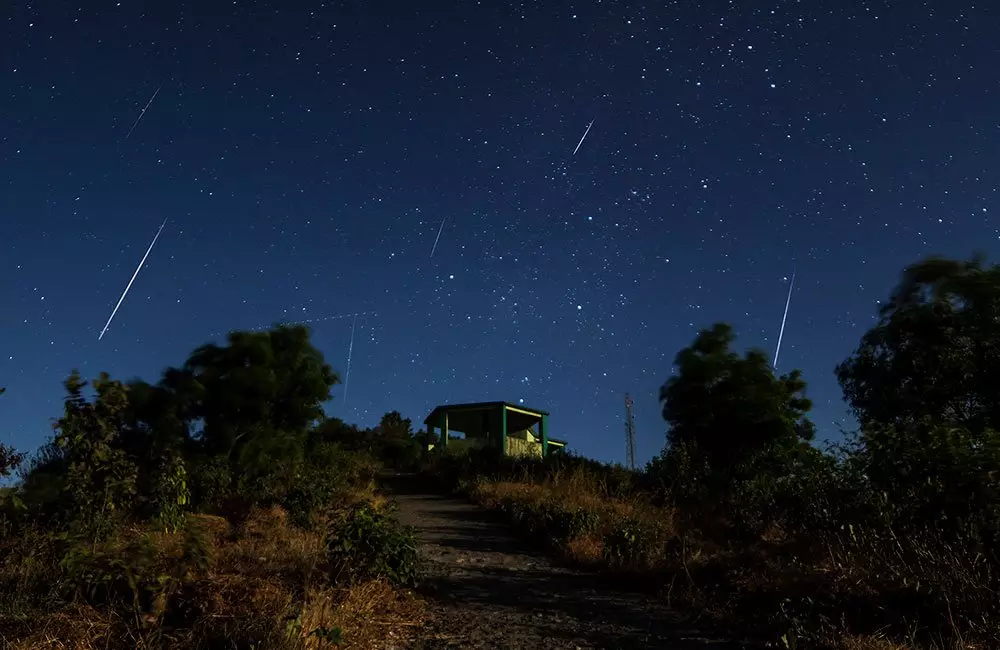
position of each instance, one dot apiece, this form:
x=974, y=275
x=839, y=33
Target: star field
x=305, y=154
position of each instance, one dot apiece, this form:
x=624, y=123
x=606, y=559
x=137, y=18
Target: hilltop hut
x=513, y=429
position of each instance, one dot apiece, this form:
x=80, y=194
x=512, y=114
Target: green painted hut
x=513, y=428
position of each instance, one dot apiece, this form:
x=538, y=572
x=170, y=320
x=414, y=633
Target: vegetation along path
x=487, y=589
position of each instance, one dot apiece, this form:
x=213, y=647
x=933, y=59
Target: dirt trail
x=487, y=589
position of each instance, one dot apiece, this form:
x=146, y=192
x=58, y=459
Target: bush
x=366, y=542
x=633, y=544
x=563, y=524
x=330, y=470
x=170, y=492
x=211, y=483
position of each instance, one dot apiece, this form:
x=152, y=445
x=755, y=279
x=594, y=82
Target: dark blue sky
x=305, y=155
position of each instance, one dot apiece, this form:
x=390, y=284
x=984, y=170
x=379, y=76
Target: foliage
x=935, y=352
x=394, y=441
x=633, y=543
x=10, y=460
x=366, y=542
x=728, y=408
x=936, y=473
x=259, y=393
x=330, y=470
x=171, y=493
x=211, y=483
x=100, y=477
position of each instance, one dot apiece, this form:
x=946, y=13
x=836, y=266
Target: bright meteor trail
x=781, y=332
x=137, y=269
x=584, y=137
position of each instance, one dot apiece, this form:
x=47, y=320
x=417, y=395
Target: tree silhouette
x=935, y=352
x=731, y=408
x=256, y=395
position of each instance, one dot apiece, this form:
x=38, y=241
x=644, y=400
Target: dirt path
x=487, y=589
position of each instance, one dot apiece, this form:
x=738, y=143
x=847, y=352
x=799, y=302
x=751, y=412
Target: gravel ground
x=485, y=588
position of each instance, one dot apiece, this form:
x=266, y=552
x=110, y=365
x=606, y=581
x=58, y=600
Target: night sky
x=305, y=156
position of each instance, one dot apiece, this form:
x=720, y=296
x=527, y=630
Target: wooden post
x=544, y=430
x=444, y=429
x=503, y=429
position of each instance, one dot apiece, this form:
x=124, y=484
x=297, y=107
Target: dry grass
x=872, y=642
x=267, y=586
x=585, y=550
x=574, y=490
x=77, y=627
x=368, y=614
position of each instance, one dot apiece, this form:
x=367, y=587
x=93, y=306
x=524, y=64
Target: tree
x=100, y=478
x=393, y=426
x=730, y=408
x=254, y=397
x=935, y=352
x=333, y=430
x=393, y=440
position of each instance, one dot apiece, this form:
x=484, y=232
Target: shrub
x=563, y=524
x=211, y=483
x=633, y=543
x=366, y=542
x=330, y=470
x=170, y=493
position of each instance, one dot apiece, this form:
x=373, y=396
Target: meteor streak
x=434, y=247
x=350, y=353
x=781, y=332
x=137, y=269
x=584, y=137
x=136, y=123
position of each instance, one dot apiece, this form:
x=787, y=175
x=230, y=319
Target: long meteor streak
x=434, y=248
x=137, y=269
x=784, y=317
x=136, y=123
x=584, y=137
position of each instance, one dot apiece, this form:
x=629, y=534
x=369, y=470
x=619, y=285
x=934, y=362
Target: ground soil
x=486, y=588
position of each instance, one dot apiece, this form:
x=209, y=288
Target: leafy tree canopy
x=729, y=407
x=260, y=390
x=935, y=352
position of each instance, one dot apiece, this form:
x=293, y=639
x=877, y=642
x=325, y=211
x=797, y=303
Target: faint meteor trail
x=350, y=352
x=584, y=136
x=136, y=123
x=781, y=332
x=305, y=321
x=137, y=269
x=434, y=248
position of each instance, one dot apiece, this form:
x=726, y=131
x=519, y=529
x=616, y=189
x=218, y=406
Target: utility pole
x=629, y=433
